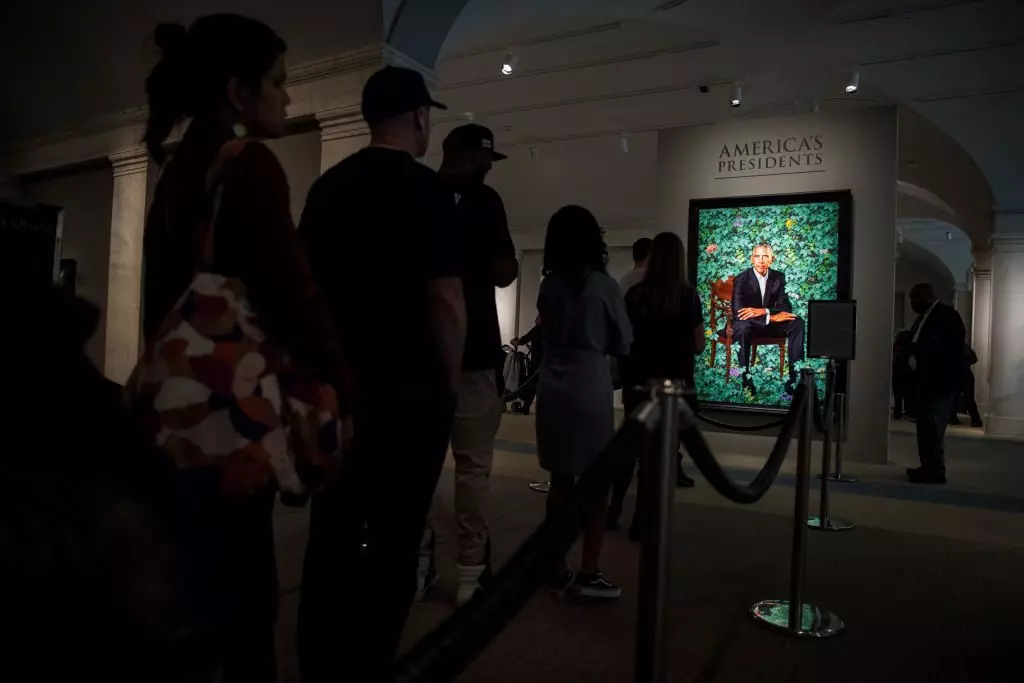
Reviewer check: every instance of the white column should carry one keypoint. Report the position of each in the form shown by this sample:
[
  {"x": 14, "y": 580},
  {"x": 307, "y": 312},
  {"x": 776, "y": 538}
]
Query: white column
[
  {"x": 1005, "y": 414},
  {"x": 342, "y": 133},
  {"x": 124, "y": 283},
  {"x": 981, "y": 324}
]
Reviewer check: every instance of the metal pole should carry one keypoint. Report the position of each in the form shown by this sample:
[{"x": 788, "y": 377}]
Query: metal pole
[
  {"x": 658, "y": 482},
  {"x": 793, "y": 616},
  {"x": 840, "y": 437},
  {"x": 799, "y": 551}
]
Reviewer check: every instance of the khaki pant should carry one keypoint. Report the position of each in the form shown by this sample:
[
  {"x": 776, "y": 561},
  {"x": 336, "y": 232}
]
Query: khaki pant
[{"x": 477, "y": 417}]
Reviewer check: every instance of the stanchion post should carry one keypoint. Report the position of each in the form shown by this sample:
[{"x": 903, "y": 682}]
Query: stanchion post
[
  {"x": 793, "y": 616},
  {"x": 840, "y": 438},
  {"x": 658, "y": 480}
]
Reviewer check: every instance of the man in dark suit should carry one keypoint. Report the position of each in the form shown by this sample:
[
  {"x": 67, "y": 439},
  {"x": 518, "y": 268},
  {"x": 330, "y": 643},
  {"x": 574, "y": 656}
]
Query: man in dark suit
[
  {"x": 937, "y": 360},
  {"x": 761, "y": 308}
]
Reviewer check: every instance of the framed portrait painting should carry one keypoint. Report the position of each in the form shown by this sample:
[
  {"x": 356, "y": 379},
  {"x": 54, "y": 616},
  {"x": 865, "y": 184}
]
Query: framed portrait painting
[{"x": 756, "y": 263}]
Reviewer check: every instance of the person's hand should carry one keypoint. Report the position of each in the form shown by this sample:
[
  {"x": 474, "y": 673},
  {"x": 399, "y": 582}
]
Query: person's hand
[
  {"x": 748, "y": 313},
  {"x": 515, "y": 341},
  {"x": 782, "y": 317}
]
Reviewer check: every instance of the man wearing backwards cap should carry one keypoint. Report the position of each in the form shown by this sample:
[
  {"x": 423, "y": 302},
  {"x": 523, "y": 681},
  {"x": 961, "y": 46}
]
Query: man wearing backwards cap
[
  {"x": 490, "y": 261},
  {"x": 384, "y": 249}
]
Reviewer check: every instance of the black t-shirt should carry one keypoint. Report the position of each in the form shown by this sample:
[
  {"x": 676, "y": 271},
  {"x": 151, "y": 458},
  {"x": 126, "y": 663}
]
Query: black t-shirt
[
  {"x": 378, "y": 228},
  {"x": 483, "y": 227},
  {"x": 662, "y": 345}
]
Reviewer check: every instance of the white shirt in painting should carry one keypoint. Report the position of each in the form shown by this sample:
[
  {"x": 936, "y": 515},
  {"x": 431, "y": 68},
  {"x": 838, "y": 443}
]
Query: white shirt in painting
[{"x": 762, "y": 282}]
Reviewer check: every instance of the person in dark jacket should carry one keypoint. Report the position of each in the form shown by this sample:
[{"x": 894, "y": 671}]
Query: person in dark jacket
[
  {"x": 95, "y": 535},
  {"x": 936, "y": 356},
  {"x": 668, "y": 333}
]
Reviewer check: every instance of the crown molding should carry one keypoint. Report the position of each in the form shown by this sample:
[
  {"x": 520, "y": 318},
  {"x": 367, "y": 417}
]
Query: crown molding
[
  {"x": 341, "y": 123},
  {"x": 111, "y": 134},
  {"x": 130, "y": 161}
]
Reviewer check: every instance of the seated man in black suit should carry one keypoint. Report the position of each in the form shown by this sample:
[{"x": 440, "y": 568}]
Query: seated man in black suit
[
  {"x": 761, "y": 308},
  {"x": 937, "y": 359}
]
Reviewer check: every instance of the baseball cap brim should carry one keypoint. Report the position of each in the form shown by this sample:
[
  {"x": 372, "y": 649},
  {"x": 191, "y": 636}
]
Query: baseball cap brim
[
  {"x": 498, "y": 156},
  {"x": 438, "y": 105}
]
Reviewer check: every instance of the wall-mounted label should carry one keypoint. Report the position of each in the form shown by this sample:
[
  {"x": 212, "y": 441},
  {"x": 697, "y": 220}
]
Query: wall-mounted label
[{"x": 777, "y": 156}]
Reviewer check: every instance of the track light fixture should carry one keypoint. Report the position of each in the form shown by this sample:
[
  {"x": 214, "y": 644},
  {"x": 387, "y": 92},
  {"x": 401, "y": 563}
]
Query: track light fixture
[
  {"x": 624, "y": 143},
  {"x": 853, "y": 85},
  {"x": 737, "y": 96},
  {"x": 510, "y": 64}
]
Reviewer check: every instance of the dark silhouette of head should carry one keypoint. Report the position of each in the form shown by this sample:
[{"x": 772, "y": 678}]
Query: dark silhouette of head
[
  {"x": 641, "y": 248},
  {"x": 574, "y": 245},
  {"x": 664, "y": 284},
  {"x": 922, "y": 296},
  {"x": 225, "y": 69}
]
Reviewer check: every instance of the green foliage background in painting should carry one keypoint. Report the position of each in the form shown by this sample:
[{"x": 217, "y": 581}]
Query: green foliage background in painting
[{"x": 805, "y": 239}]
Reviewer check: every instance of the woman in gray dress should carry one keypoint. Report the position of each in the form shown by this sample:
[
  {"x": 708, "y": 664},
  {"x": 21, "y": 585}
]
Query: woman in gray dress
[{"x": 584, "y": 322}]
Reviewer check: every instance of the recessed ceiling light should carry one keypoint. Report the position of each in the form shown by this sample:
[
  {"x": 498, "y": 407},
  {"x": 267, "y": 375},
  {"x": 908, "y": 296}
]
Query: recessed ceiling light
[
  {"x": 509, "y": 65},
  {"x": 853, "y": 85}
]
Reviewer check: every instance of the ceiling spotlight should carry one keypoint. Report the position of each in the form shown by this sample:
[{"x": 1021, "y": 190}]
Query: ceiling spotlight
[
  {"x": 853, "y": 85},
  {"x": 816, "y": 107},
  {"x": 509, "y": 65},
  {"x": 949, "y": 236},
  {"x": 624, "y": 143},
  {"x": 534, "y": 152},
  {"x": 737, "y": 96},
  {"x": 900, "y": 239}
]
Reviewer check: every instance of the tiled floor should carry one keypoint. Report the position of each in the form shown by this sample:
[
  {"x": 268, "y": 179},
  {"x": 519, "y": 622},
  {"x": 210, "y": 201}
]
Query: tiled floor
[{"x": 931, "y": 583}]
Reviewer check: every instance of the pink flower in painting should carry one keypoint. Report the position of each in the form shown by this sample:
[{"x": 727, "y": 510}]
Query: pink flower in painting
[
  {"x": 711, "y": 248},
  {"x": 738, "y": 223}
]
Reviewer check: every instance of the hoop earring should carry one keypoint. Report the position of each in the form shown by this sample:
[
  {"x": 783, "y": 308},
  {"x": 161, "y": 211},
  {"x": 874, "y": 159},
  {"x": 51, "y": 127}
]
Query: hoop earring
[{"x": 239, "y": 130}]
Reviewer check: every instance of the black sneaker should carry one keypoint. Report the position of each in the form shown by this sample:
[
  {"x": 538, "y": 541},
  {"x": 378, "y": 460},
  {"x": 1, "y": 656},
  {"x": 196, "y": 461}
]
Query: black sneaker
[
  {"x": 595, "y": 586},
  {"x": 683, "y": 480},
  {"x": 560, "y": 580}
]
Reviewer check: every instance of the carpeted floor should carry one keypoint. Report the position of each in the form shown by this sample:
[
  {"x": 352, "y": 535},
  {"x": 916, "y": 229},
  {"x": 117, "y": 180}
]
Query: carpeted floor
[{"x": 917, "y": 608}]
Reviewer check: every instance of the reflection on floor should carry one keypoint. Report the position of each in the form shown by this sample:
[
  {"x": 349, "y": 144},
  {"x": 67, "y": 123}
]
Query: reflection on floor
[{"x": 931, "y": 583}]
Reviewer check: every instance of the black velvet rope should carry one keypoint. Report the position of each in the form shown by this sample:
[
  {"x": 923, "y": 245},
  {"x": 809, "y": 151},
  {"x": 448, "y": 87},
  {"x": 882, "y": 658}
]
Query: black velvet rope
[
  {"x": 697, "y": 447},
  {"x": 446, "y": 651},
  {"x": 741, "y": 428}
]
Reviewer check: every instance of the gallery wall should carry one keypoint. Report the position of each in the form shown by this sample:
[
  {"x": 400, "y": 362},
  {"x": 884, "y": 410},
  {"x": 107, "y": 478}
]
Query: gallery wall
[
  {"x": 87, "y": 198},
  {"x": 858, "y": 152}
]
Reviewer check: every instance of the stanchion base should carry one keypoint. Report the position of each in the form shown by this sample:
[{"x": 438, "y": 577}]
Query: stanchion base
[
  {"x": 842, "y": 478},
  {"x": 816, "y": 622},
  {"x": 540, "y": 486},
  {"x": 831, "y": 524}
]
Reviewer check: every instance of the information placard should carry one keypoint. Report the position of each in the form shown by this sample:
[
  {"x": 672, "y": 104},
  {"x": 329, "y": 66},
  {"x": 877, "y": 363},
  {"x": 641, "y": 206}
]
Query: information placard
[{"x": 832, "y": 329}]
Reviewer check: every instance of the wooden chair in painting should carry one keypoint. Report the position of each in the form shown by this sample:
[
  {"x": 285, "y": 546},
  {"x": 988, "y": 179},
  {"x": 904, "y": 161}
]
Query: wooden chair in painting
[{"x": 721, "y": 306}]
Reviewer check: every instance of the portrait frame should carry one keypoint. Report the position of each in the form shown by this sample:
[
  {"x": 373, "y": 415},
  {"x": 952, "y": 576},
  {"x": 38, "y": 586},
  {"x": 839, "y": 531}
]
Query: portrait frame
[{"x": 843, "y": 201}]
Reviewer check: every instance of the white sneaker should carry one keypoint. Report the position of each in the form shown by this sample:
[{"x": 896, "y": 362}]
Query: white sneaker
[{"x": 469, "y": 582}]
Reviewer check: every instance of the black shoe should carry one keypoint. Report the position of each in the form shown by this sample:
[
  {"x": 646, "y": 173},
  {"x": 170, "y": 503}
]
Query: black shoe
[
  {"x": 683, "y": 481},
  {"x": 595, "y": 586},
  {"x": 560, "y": 580},
  {"x": 919, "y": 475},
  {"x": 749, "y": 386},
  {"x": 977, "y": 423}
]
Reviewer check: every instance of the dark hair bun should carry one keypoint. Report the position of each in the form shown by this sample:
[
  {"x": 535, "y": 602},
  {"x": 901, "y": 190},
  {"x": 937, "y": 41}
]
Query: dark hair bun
[{"x": 170, "y": 38}]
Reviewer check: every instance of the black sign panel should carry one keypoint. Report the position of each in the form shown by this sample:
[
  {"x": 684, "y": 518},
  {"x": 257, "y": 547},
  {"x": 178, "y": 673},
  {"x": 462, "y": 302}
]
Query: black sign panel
[
  {"x": 832, "y": 329},
  {"x": 29, "y": 244}
]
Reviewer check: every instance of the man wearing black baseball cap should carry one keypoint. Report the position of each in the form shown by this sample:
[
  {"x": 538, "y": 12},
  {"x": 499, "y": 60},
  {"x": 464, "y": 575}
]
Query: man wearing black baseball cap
[
  {"x": 384, "y": 249},
  {"x": 490, "y": 262}
]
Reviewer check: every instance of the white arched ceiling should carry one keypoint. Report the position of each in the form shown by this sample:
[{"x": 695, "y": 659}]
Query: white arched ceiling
[
  {"x": 948, "y": 243},
  {"x": 928, "y": 55}
]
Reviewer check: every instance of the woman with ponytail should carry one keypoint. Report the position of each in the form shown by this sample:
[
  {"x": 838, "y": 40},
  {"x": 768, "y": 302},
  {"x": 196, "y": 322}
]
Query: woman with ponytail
[{"x": 221, "y": 206}]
